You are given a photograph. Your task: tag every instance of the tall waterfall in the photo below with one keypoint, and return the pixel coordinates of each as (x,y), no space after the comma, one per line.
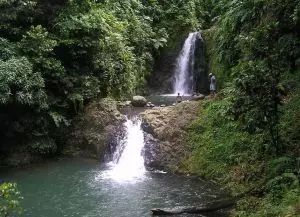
(185,66)
(128,162)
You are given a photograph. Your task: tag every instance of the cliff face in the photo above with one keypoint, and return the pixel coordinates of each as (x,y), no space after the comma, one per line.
(165,135)
(201,84)
(94,131)
(162,77)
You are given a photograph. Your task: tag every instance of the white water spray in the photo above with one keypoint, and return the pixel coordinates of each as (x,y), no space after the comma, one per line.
(185,64)
(128,162)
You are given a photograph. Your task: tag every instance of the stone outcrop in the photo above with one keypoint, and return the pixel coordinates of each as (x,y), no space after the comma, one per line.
(197,97)
(165,130)
(92,133)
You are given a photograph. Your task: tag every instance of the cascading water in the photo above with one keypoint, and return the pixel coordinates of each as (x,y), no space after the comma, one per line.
(128,162)
(185,64)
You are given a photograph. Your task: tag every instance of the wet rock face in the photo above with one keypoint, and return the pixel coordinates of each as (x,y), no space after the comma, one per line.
(118,133)
(200,76)
(162,78)
(152,153)
(165,132)
(93,132)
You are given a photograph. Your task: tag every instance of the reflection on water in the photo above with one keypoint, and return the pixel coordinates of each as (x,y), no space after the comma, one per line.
(76,188)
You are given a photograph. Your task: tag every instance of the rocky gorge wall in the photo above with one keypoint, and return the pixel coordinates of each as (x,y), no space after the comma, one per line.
(93,133)
(166,146)
(97,132)
(162,78)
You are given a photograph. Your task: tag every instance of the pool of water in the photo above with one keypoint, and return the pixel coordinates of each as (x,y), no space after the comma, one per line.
(80,188)
(165,99)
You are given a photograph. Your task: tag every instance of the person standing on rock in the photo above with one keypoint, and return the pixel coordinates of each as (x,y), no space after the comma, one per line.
(212,84)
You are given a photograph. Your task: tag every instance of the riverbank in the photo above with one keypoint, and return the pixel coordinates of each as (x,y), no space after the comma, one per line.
(266,183)
(215,147)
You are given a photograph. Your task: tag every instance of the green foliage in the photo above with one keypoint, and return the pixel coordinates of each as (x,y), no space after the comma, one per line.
(9,199)
(221,145)
(57,56)
(288,206)
(20,85)
(249,139)
(43,146)
(257,43)
(224,151)
(214,65)
(16,16)
(7,49)
(257,102)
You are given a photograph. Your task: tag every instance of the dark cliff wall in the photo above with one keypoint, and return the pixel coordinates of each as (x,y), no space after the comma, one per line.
(161,79)
(200,67)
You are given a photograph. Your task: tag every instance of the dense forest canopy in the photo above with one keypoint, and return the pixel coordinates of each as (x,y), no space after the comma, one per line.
(56,56)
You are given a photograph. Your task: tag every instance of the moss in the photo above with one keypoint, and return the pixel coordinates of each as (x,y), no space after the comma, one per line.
(268,185)
(214,65)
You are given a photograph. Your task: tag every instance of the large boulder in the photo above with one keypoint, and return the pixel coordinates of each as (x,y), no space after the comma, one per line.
(139,101)
(92,133)
(165,134)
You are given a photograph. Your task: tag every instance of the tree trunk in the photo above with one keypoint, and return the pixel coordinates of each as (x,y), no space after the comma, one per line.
(203,208)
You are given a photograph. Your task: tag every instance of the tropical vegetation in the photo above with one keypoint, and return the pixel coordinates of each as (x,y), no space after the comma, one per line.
(56,56)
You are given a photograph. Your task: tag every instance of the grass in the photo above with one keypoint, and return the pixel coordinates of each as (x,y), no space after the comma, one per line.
(268,185)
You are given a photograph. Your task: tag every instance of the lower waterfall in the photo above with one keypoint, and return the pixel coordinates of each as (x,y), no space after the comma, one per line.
(128,162)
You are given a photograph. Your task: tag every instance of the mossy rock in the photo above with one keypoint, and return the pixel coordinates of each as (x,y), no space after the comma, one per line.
(91,133)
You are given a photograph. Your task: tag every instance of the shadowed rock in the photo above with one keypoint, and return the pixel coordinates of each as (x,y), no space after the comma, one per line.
(165,130)
(93,132)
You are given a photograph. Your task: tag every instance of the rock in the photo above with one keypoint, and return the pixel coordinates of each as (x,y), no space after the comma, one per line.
(200,76)
(124,104)
(139,101)
(91,133)
(127,103)
(162,78)
(198,97)
(147,128)
(150,105)
(162,105)
(152,153)
(166,147)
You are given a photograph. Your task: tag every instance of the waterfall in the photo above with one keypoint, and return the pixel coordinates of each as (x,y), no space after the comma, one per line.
(185,66)
(128,162)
